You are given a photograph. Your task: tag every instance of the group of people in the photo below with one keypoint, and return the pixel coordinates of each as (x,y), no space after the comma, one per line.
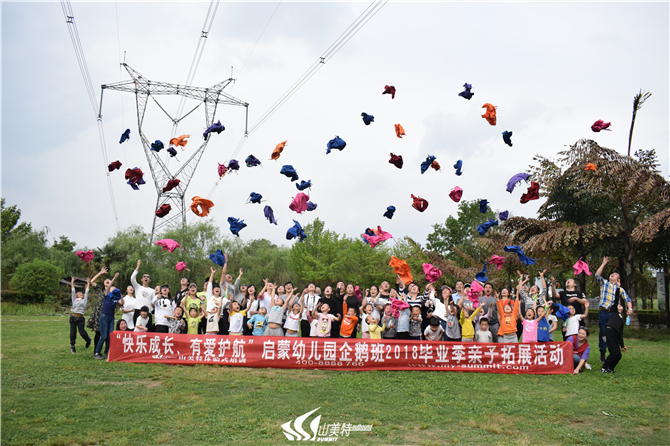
(473,312)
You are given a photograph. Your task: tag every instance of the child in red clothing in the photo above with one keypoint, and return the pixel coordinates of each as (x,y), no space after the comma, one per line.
(348,322)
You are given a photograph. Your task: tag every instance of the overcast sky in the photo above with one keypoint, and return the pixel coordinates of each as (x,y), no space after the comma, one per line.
(552,69)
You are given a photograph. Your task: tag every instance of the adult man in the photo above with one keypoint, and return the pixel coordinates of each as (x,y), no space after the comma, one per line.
(227,281)
(610,291)
(459,293)
(143,294)
(310,300)
(485,301)
(570,296)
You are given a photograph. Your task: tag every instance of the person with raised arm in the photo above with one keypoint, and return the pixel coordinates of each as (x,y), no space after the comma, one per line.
(144,295)
(610,290)
(77,320)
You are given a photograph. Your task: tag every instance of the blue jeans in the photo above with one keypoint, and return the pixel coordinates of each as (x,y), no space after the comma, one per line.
(106,328)
(603,318)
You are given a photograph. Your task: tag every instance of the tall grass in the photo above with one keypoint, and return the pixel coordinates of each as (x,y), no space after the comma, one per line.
(15,309)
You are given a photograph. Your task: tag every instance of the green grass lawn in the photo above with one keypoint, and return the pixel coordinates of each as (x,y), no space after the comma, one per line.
(50,396)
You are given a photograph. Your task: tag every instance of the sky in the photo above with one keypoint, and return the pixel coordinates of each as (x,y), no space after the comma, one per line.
(552,69)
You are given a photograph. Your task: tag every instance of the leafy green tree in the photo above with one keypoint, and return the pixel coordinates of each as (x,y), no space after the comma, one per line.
(38,278)
(320,257)
(10,217)
(260,259)
(21,248)
(365,266)
(63,244)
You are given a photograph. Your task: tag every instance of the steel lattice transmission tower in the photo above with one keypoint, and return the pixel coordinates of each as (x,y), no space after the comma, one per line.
(210,98)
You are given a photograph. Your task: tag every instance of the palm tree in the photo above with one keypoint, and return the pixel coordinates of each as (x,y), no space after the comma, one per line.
(638,101)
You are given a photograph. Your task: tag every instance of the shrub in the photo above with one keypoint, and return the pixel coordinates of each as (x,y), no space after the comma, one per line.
(37,278)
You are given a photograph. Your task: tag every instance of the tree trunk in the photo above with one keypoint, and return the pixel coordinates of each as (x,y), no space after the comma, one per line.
(632,288)
(666,273)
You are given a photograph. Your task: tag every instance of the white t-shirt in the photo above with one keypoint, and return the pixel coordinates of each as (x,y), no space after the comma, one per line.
(129,304)
(551,319)
(143,295)
(236,321)
(311,300)
(143,321)
(433,335)
(572,325)
(163,307)
(213,301)
(292,321)
(483,336)
(213,323)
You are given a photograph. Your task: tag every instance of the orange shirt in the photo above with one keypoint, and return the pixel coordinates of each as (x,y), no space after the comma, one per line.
(507,320)
(348,323)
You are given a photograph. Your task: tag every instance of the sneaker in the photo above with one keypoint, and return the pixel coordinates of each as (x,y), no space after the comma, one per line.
(88,343)
(610,371)
(606,371)
(72,349)
(98,356)
(588,366)
(602,357)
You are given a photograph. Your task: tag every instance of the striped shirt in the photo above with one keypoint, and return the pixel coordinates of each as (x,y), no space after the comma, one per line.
(608,292)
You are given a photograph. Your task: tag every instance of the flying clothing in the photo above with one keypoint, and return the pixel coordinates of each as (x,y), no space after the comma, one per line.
(516,180)
(481,276)
(163,210)
(396,160)
(335,143)
(483,206)
(299,203)
(233,165)
(507,137)
(181,266)
(304,185)
(533,193)
(432,273)
(252,161)
(222,169)
(296,231)
(171,184)
(290,172)
(399,131)
(522,257)
(367,119)
(456,194)
(180,140)
(255,198)
(490,114)
(269,214)
(216,127)
(114,165)
(172,151)
(167,244)
(458,166)
(125,136)
(85,256)
(504,215)
(276,153)
(389,89)
(389,212)
(498,261)
(419,204)
(591,166)
(484,227)
(378,237)
(581,267)
(200,206)
(218,257)
(467,94)
(157,145)
(311,206)
(426,164)
(401,268)
(601,125)
(236,225)
(134,177)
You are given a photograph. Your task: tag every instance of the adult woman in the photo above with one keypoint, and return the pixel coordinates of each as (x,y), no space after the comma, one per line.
(352,302)
(122,325)
(335,309)
(439,305)
(580,349)
(94,320)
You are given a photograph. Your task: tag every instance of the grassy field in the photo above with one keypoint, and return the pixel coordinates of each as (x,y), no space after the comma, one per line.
(52,397)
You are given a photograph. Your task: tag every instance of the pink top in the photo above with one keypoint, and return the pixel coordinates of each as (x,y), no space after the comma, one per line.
(529,331)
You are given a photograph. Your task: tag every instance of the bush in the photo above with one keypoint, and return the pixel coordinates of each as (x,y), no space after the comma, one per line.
(37,278)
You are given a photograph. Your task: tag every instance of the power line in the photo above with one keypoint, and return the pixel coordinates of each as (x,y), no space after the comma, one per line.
(81,60)
(258,40)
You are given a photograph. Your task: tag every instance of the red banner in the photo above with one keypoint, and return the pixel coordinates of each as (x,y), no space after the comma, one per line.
(540,358)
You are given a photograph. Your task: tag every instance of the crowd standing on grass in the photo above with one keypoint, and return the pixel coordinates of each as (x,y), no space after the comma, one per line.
(474,312)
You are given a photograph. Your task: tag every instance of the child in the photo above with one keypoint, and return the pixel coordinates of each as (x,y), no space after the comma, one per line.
(507,319)
(77,317)
(366,310)
(572,323)
(213,320)
(415,323)
(403,315)
(193,320)
(544,327)
(292,324)
(453,330)
(163,307)
(552,320)
(324,320)
(142,321)
(128,309)
(530,324)
(434,331)
(390,323)
(467,326)
(374,328)
(258,322)
(236,318)
(483,334)
(177,323)
(276,314)
(349,322)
